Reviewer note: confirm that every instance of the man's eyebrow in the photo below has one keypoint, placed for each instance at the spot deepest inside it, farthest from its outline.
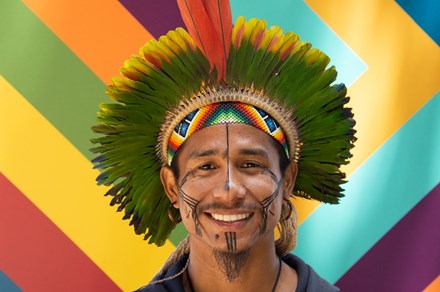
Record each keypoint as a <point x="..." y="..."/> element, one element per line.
<point x="254" y="152"/>
<point x="203" y="153"/>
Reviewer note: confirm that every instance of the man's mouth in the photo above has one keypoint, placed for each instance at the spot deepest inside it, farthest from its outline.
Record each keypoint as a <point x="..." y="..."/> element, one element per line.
<point x="230" y="217"/>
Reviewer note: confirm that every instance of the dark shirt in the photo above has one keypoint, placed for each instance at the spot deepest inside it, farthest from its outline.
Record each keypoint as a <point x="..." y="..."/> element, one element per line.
<point x="308" y="280"/>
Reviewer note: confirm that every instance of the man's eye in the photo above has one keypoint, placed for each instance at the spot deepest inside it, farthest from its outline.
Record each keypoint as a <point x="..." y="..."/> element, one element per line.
<point x="251" y="165"/>
<point x="207" y="166"/>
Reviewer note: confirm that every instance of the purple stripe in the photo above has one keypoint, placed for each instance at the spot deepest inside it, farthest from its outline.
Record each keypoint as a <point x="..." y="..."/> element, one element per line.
<point x="407" y="258"/>
<point x="158" y="17"/>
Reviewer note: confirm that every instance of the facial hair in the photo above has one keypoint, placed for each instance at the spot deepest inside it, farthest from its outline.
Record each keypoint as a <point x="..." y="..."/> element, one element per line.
<point x="230" y="263"/>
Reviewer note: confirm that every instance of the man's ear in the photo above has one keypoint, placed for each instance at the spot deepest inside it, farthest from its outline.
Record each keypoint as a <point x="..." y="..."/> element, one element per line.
<point x="170" y="185"/>
<point x="289" y="179"/>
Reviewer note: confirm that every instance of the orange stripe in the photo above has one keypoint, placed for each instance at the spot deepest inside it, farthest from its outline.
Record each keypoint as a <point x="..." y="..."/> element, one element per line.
<point x="101" y="33"/>
<point x="434" y="286"/>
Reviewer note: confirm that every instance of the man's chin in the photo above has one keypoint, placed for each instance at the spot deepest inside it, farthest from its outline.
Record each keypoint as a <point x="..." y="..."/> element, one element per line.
<point x="230" y="262"/>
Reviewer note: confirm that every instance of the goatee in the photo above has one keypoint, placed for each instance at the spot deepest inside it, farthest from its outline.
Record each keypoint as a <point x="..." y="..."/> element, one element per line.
<point x="230" y="263"/>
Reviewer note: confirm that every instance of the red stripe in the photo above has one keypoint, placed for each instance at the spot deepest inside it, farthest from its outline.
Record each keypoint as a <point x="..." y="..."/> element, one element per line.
<point x="37" y="255"/>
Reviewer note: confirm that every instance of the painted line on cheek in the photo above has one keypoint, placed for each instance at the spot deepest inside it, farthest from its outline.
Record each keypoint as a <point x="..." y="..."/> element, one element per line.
<point x="192" y="203"/>
<point x="272" y="175"/>
<point x="186" y="198"/>
<point x="265" y="204"/>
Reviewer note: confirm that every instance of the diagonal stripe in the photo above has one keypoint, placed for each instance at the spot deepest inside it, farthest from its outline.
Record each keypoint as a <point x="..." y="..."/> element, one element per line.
<point x="403" y="67"/>
<point x="296" y="16"/>
<point x="60" y="182"/>
<point x="157" y="16"/>
<point x="42" y="258"/>
<point x="6" y="284"/>
<point x="411" y="247"/>
<point x="426" y="13"/>
<point x="48" y="74"/>
<point x="380" y="193"/>
<point x="100" y="33"/>
<point x="434" y="286"/>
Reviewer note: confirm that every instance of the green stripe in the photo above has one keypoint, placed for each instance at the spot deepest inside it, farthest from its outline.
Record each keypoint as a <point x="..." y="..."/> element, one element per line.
<point x="49" y="74"/>
<point x="391" y="182"/>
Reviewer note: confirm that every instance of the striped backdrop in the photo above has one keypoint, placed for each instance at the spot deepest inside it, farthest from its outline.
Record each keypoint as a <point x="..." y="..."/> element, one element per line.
<point x="57" y="232"/>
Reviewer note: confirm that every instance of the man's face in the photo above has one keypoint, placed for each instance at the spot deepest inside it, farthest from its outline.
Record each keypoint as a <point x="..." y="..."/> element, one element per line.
<point x="229" y="187"/>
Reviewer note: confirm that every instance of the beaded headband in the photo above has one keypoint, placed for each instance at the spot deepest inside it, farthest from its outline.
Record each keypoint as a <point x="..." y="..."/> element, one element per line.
<point x="224" y="113"/>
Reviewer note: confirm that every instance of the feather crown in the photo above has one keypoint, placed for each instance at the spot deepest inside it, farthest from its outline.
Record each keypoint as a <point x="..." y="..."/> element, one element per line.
<point x="216" y="62"/>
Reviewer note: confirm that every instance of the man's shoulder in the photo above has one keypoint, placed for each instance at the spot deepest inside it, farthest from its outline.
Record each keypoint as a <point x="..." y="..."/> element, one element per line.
<point x="308" y="279"/>
<point x="169" y="280"/>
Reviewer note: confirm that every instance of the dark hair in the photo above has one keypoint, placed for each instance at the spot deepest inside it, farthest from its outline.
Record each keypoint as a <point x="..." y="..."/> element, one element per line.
<point x="284" y="160"/>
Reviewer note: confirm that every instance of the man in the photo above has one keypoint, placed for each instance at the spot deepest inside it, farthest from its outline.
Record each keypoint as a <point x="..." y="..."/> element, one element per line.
<point x="241" y="118"/>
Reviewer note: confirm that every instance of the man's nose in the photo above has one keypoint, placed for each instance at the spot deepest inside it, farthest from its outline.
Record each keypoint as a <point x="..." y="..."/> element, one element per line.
<point x="232" y="186"/>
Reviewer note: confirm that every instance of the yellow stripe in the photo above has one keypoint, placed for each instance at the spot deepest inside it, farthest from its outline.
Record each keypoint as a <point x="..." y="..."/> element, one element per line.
<point x="60" y="181"/>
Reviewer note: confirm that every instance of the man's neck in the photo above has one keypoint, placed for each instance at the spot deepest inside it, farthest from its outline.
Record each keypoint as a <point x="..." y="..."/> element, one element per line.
<point x="255" y="269"/>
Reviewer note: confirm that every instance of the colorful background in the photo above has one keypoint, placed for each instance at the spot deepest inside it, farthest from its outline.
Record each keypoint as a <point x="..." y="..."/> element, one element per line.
<point x="57" y="232"/>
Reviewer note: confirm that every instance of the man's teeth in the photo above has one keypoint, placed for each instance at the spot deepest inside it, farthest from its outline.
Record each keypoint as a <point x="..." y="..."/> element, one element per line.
<point x="230" y="218"/>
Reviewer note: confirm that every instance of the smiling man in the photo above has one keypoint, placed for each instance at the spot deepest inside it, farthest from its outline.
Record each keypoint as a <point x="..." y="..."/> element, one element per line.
<point x="233" y="180"/>
<point x="219" y="128"/>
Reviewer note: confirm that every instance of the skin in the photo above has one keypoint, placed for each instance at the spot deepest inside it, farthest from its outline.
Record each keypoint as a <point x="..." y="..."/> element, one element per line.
<point x="231" y="169"/>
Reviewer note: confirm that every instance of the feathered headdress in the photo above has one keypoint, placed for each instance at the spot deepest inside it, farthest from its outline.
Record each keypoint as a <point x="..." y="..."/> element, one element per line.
<point x="216" y="62"/>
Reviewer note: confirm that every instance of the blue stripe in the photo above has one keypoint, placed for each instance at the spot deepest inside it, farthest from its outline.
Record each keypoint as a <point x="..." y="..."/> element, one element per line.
<point x="298" y="17"/>
<point x="6" y="284"/>
<point x="426" y="13"/>
<point x="392" y="181"/>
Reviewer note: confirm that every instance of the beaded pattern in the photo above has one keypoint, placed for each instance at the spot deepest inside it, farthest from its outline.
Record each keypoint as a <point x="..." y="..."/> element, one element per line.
<point x="224" y="113"/>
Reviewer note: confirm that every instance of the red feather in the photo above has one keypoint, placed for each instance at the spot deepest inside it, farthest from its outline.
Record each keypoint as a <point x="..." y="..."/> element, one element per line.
<point x="209" y="23"/>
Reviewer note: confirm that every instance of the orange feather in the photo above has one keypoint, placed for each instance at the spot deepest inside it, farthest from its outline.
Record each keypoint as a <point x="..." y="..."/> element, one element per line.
<point x="209" y="22"/>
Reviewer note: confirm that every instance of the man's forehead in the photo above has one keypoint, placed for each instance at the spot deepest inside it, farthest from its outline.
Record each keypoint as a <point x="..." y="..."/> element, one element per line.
<point x="250" y="151"/>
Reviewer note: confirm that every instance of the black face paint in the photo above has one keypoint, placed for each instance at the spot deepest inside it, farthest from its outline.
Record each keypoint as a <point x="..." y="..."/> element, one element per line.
<point x="192" y="203"/>
<point x="231" y="241"/>
<point x="265" y="204"/>
<point x="272" y="175"/>
<point x="227" y="185"/>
